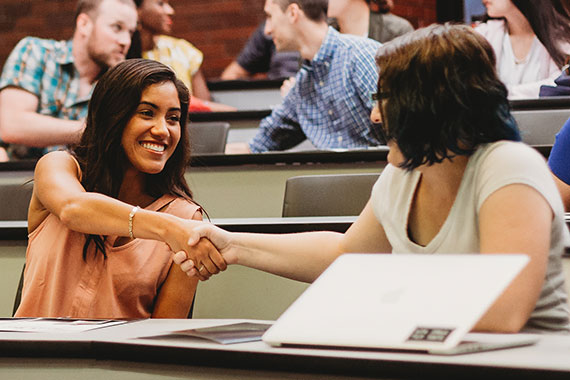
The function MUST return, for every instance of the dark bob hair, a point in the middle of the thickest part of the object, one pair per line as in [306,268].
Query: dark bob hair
[441,96]
[114,102]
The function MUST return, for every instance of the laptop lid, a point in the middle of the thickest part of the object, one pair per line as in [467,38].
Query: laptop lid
[396,301]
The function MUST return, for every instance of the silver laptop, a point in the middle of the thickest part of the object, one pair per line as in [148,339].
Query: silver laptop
[400,301]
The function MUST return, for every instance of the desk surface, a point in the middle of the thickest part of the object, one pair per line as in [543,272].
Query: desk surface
[17,229]
[353,156]
[544,103]
[548,358]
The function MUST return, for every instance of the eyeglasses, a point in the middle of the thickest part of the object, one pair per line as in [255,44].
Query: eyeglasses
[377,96]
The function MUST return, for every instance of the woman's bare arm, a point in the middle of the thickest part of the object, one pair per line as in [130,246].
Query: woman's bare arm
[516,219]
[57,189]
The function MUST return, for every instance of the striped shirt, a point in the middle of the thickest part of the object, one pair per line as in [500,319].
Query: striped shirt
[45,68]
[330,103]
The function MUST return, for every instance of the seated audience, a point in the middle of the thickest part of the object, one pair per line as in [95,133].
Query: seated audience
[372,19]
[530,39]
[91,254]
[559,163]
[330,100]
[362,18]
[259,56]
[458,181]
[152,42]
[46,84]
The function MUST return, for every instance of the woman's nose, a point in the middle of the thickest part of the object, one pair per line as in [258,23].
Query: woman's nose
[375,115]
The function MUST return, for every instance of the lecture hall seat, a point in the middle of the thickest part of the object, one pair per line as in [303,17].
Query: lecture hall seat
[15,195]
[539,127]
[208,137]
[327,195]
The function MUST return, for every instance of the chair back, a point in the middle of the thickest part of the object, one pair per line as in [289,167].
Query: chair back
[327,195]
[208,137]
[15,194]
[539,127]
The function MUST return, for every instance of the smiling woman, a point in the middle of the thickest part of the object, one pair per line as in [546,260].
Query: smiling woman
[105,219]
[153,132]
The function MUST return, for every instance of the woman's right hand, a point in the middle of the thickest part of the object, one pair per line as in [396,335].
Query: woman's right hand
[207,252]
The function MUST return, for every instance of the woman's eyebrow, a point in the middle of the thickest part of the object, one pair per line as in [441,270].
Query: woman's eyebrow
[148,104]
[157,107]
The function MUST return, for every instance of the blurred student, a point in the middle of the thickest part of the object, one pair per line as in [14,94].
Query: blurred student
[369,18]
[363,18]
[530,39]
[458,180]
[46,84]
[259,56]
[152,42]
[330,101]
[92,251]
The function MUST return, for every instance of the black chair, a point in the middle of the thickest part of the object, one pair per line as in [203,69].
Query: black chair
[15,197]
[327,195]
[208,137]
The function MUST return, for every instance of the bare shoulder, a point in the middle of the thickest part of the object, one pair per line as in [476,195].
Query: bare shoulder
[184,208]
[58,160]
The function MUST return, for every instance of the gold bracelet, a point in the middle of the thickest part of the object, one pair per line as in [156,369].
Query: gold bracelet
[131,216]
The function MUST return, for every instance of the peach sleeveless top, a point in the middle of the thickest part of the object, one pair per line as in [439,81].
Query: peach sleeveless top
[59,283]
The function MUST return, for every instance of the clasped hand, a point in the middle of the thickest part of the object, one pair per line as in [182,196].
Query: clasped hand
[202,256]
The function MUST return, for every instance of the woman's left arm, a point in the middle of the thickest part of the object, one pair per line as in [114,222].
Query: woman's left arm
[199,86]
[176,294]
[516,219]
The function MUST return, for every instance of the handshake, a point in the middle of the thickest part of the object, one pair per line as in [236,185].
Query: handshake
[206,251]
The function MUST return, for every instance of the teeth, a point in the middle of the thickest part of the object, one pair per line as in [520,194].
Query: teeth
[154,147]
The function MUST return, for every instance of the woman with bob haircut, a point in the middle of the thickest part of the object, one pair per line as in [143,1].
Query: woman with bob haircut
[457,181]
[105,218]
[531,41]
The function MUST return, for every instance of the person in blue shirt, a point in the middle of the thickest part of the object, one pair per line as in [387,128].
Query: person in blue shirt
[330,102]
[560,164]
[259,56]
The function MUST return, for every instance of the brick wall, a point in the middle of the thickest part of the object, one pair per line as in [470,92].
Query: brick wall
[217,27]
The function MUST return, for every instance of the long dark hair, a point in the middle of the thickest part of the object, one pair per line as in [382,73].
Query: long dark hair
[442,96]
[99,152]
[551,26]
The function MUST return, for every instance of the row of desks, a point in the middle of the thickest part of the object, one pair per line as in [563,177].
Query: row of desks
[17,229]
[539,119]
[123,352]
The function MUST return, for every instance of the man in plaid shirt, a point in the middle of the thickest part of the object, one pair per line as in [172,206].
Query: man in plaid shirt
[46,84]
[330,102]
